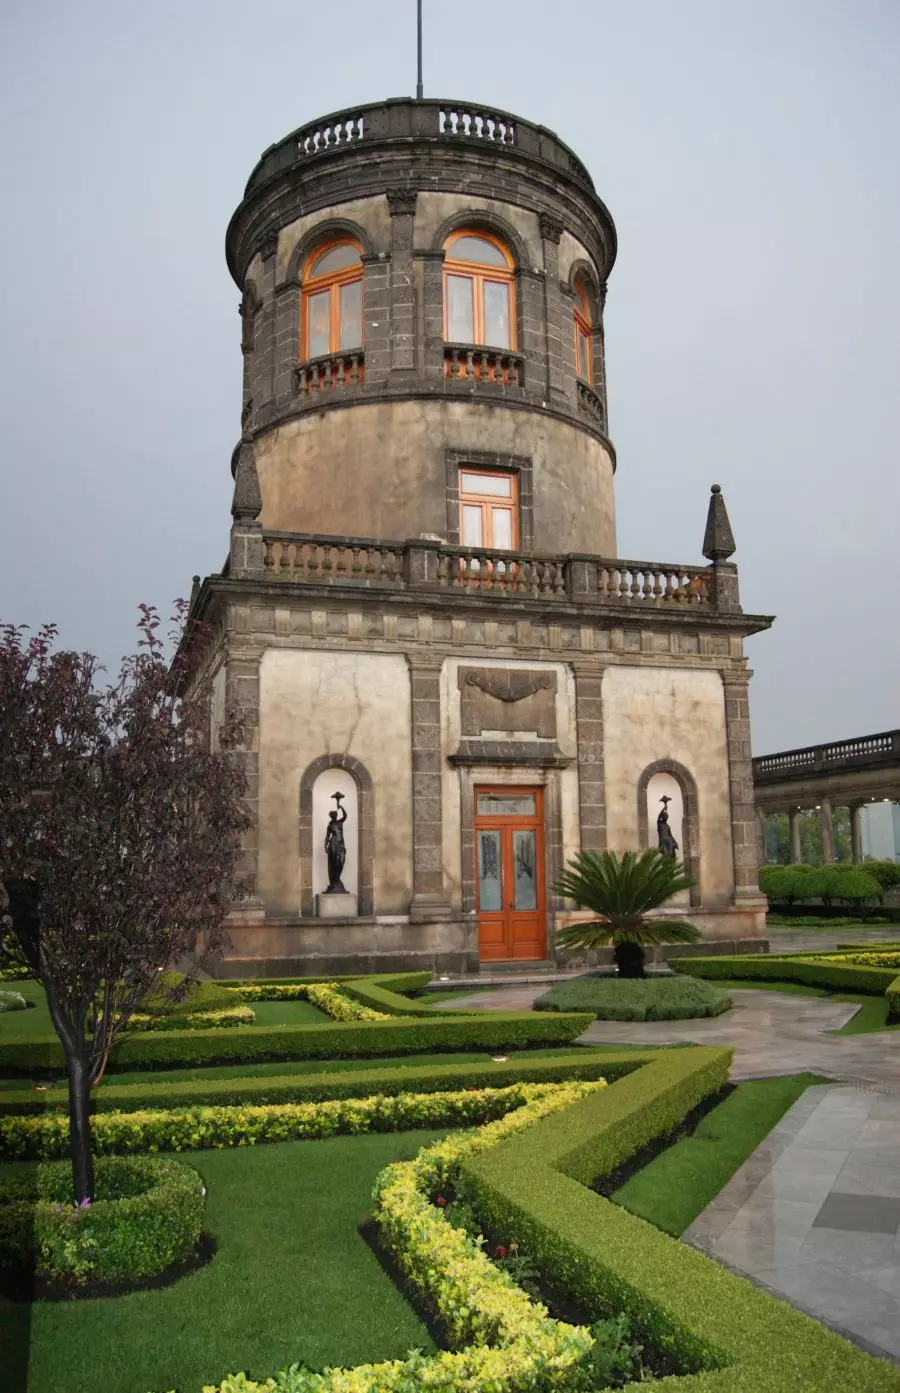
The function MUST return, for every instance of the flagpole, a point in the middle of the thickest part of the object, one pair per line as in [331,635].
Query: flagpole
[419,89]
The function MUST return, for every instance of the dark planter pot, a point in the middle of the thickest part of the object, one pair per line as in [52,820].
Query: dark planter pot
[629,959]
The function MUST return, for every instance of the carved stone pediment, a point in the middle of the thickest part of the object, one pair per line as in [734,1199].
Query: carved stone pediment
[508,700]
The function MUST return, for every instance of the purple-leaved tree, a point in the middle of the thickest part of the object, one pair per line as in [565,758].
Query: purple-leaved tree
[120,829]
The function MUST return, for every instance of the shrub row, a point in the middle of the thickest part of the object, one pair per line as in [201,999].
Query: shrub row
[853,884]
[200,1129]
[730,1336]
[578,1063]
[505,1341]
[835,976]
[356,1039]
[226,1018]
[330,999]
[146,1214]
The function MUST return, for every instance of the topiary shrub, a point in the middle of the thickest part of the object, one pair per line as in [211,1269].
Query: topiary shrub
[647,999]
[12,1001]
[887,873]
[146,1214]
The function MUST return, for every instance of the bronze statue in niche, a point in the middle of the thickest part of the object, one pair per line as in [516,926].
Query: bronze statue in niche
[665,839]
[335,847]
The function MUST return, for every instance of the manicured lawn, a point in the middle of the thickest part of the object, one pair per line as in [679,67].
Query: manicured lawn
[801,921]
[288,1013]
[291,1281]
[871,1016]
[630,999]
[674,1188]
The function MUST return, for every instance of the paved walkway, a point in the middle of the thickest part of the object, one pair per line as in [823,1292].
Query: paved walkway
[814,1214]
[771,1033]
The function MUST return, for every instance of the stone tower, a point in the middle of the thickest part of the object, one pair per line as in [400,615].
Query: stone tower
[422,609]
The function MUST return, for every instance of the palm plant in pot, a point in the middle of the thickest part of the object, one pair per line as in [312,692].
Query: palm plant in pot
[623,894]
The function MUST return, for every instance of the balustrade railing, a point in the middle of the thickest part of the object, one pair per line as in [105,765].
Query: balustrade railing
[642,582]
[864,751]
[330,131]
[591,403]
[501,573]
[292,556]
[478,366]
[476,123]
[334,370]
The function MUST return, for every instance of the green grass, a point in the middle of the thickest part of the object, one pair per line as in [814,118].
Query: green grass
[451,993]
[678,1185]
[870,1018]
[292,1281]
[287,1013]
[802,921]
[629,999]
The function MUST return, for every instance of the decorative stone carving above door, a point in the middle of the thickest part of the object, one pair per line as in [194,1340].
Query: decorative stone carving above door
[508,700]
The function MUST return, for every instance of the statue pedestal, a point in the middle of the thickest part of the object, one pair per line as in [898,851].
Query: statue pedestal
[339,904]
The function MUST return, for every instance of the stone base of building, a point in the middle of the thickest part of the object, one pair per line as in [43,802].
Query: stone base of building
[342,947]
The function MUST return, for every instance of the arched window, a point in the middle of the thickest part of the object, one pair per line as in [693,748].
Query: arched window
[583,367]
[479,291]
[332,300]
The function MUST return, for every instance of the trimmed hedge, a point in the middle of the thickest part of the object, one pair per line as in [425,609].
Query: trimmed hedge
[356,1039]
[201,1129]
[634,999]
[579,1063]
[731,1336]
[146,1214]
[838,977]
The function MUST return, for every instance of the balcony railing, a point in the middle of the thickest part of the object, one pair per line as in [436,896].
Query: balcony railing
[480,366]
[333,370]
[867,751]
[428,565]
[403,119]
[591,403]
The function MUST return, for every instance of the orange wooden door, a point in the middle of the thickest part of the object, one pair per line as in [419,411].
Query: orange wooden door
[509,874]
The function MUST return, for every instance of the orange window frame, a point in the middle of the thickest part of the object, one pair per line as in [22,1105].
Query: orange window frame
[487,502]
[478,272]
[332,281]
[583,330]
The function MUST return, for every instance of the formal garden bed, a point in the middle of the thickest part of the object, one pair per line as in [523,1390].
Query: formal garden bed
[661,998]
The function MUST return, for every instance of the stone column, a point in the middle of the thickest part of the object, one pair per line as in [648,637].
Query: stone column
[242,696]
[589,731]
[402,203]
[827,824]
[551,232]
[740,775]
[794,824]
[856,832]
[762,850]
[428,899]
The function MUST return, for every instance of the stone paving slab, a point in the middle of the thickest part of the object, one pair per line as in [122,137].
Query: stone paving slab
[810,1232]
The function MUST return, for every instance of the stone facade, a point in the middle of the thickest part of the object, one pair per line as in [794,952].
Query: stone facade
[357,634]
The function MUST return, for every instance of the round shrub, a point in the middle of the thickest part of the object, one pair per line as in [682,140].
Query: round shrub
[628,999]
[887,873]
[146,1214]
[12,1001]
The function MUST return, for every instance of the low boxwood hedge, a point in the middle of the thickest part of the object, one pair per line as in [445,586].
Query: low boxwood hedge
[579,1063]
[732,1336]
[146,1214]
[838,977]
[341,1040]
[635,999]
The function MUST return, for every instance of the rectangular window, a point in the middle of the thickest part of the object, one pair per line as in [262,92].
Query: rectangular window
[460,309]
[489,515]
[318,324]
[506,804]
[351,315]
[496,314]
[584,355]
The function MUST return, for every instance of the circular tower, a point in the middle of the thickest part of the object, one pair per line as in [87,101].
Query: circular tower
[422,305]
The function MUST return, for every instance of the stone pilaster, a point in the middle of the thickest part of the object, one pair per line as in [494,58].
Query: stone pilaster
[287,340]
[826,822]
[242,696]
[377,316]
[589,724]
[740,777]
[551,231]
[402,203]
[263,387]
[429,901]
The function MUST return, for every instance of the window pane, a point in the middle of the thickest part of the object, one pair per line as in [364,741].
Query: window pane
[524,870]
[497,485]
[490,887]
[496,314]
[477,249]
[351,315]
[318,324]
[501,519]
[460,321]
[335,260]
[471,528]
[506,804]
[583,356]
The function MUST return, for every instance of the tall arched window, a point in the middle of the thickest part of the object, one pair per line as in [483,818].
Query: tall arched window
[479,291]
[332,300]
[583,365]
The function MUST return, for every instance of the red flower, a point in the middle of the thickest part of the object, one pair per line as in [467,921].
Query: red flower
[471,1088]
[500,1251]
[441,1202]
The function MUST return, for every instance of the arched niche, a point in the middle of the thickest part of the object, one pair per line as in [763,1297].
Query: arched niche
[668,777]
[337,773]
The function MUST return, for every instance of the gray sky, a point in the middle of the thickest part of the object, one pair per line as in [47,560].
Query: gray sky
[747,150]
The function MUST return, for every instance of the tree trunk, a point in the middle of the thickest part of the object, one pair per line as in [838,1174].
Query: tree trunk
[80,1122]
[629,959]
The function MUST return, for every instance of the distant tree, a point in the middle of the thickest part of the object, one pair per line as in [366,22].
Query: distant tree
[778,839]
[120,831]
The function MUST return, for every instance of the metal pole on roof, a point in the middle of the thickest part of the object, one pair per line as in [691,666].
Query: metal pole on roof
[419,89]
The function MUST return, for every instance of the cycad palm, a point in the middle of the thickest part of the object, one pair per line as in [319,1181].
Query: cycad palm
[624,893]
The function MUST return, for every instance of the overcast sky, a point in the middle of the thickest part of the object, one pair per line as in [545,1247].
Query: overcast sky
[748,152]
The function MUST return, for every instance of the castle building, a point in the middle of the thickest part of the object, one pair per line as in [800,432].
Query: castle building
[422,610]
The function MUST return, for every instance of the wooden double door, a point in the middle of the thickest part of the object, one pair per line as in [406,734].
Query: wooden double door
[509,874]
